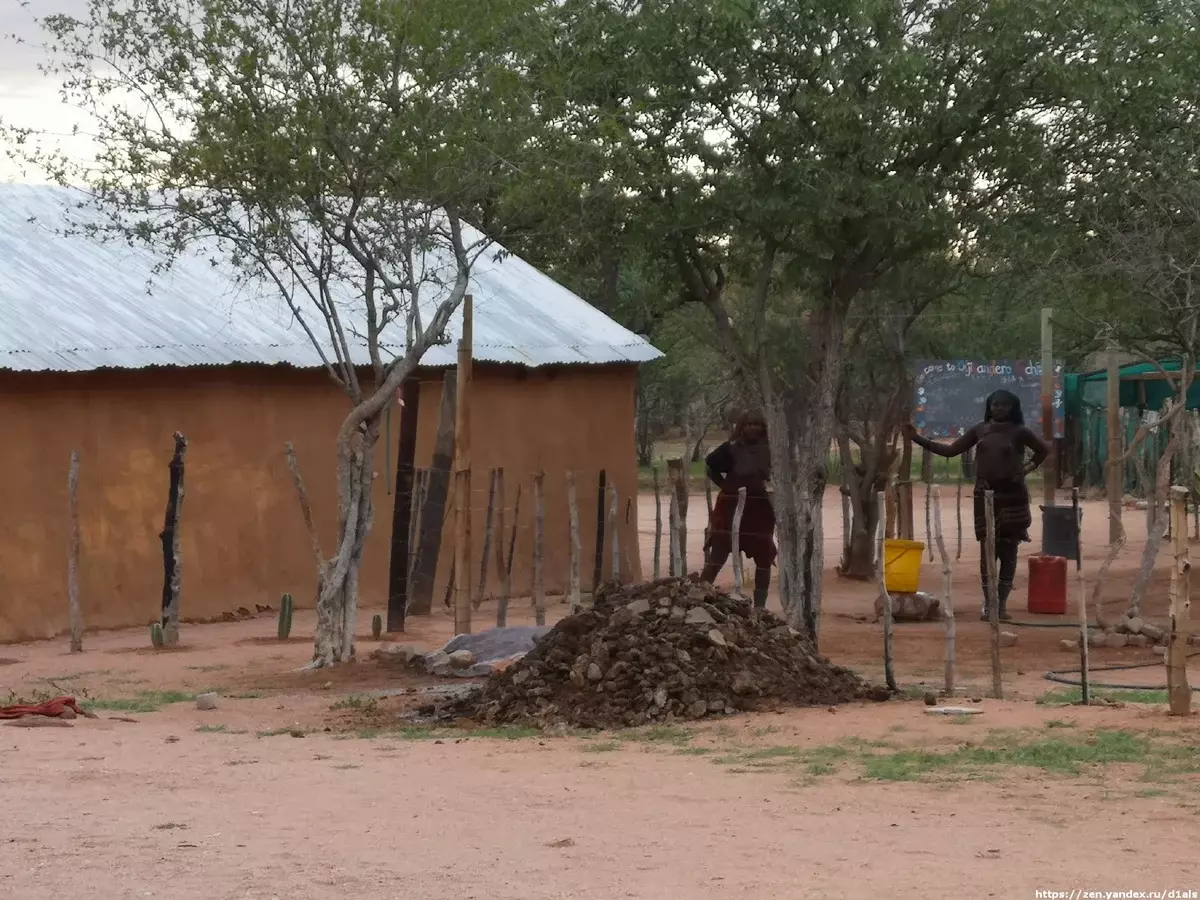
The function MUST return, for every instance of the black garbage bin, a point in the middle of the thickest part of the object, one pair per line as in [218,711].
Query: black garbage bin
[1060,532]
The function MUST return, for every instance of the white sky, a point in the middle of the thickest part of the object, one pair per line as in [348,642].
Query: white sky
[27,97]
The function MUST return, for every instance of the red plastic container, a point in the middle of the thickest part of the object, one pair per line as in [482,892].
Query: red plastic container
[1047,585]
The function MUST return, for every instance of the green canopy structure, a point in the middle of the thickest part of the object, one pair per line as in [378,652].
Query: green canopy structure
[1143,389]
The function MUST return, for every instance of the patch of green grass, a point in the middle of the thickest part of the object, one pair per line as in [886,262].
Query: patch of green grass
[216,668]
[1057,749]
[659,734]
[694,751]
[773,753]
[346,767]
[279,732]
[73,676]
[601,747]
[218,729]
[356,702]
[247,695]
[1150,793]
[142,702]
[1074,696]
[431,732]
[1054,755]
[1059,723]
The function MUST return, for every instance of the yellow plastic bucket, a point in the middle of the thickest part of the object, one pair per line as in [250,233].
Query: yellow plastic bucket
[902,566]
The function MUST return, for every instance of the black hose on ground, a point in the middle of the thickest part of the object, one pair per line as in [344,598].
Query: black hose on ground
[1060,676]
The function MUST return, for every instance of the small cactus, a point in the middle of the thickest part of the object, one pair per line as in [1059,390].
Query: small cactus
[156,635]
[376,627]
[285,616]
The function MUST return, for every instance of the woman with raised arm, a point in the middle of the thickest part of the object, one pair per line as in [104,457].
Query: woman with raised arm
[744,461]
[1000,442]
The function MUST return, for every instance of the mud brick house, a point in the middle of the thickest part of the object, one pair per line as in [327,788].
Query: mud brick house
[95,361]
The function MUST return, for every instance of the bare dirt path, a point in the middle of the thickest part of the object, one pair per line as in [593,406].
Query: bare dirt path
[121,811]
[185,805]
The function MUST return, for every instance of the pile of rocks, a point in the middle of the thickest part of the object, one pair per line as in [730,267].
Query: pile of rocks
[673,649]
[1131,631]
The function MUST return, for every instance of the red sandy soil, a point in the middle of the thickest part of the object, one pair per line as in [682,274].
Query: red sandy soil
[158,807]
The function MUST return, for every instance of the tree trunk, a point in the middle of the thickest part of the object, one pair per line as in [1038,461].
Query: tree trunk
[1158,520]
[800,438]
[859,562]
[864,484]
[337,607]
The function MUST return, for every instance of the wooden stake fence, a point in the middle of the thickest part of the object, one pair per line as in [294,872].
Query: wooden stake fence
[614,506]
[503,568]
[539,590]
[1084,686]
[75,615]
[657,526]
[1179,692]
[888,674]
[989,548]
[947,595]
[170,543]
[488,524]
[462,474]
[736,536]
[576,547]
[958,516]
[676,568]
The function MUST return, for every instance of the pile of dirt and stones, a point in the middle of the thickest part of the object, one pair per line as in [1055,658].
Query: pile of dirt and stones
[669,650]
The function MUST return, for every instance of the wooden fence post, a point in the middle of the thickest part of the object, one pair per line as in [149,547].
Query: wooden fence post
[1179,692]
[75,615]
[462,473]
[681,485]
[736,536]
[958,514]
[501,565]
[576,548]
[888,674]
[673,537]
[947,597]
[989,548]
[927,478]
[420,487]
[488,525]
[539,589]
[601,496]
[1084,686]
[657,526]
[614,506]
[170,544]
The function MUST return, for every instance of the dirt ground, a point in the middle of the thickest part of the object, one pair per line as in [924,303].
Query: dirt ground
[302,784]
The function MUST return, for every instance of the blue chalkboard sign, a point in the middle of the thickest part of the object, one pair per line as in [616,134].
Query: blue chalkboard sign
[950,393]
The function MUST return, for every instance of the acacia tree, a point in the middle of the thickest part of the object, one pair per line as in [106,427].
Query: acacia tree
[875,395]
[330,151]
[1145,248]
[782,157]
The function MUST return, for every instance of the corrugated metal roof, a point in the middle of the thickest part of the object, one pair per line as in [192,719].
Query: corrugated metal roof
[72,303]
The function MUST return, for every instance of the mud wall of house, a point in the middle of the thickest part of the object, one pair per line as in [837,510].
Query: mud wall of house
[243,539]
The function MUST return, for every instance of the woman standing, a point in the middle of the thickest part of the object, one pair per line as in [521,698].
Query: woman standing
[744,461]
[1001,440]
